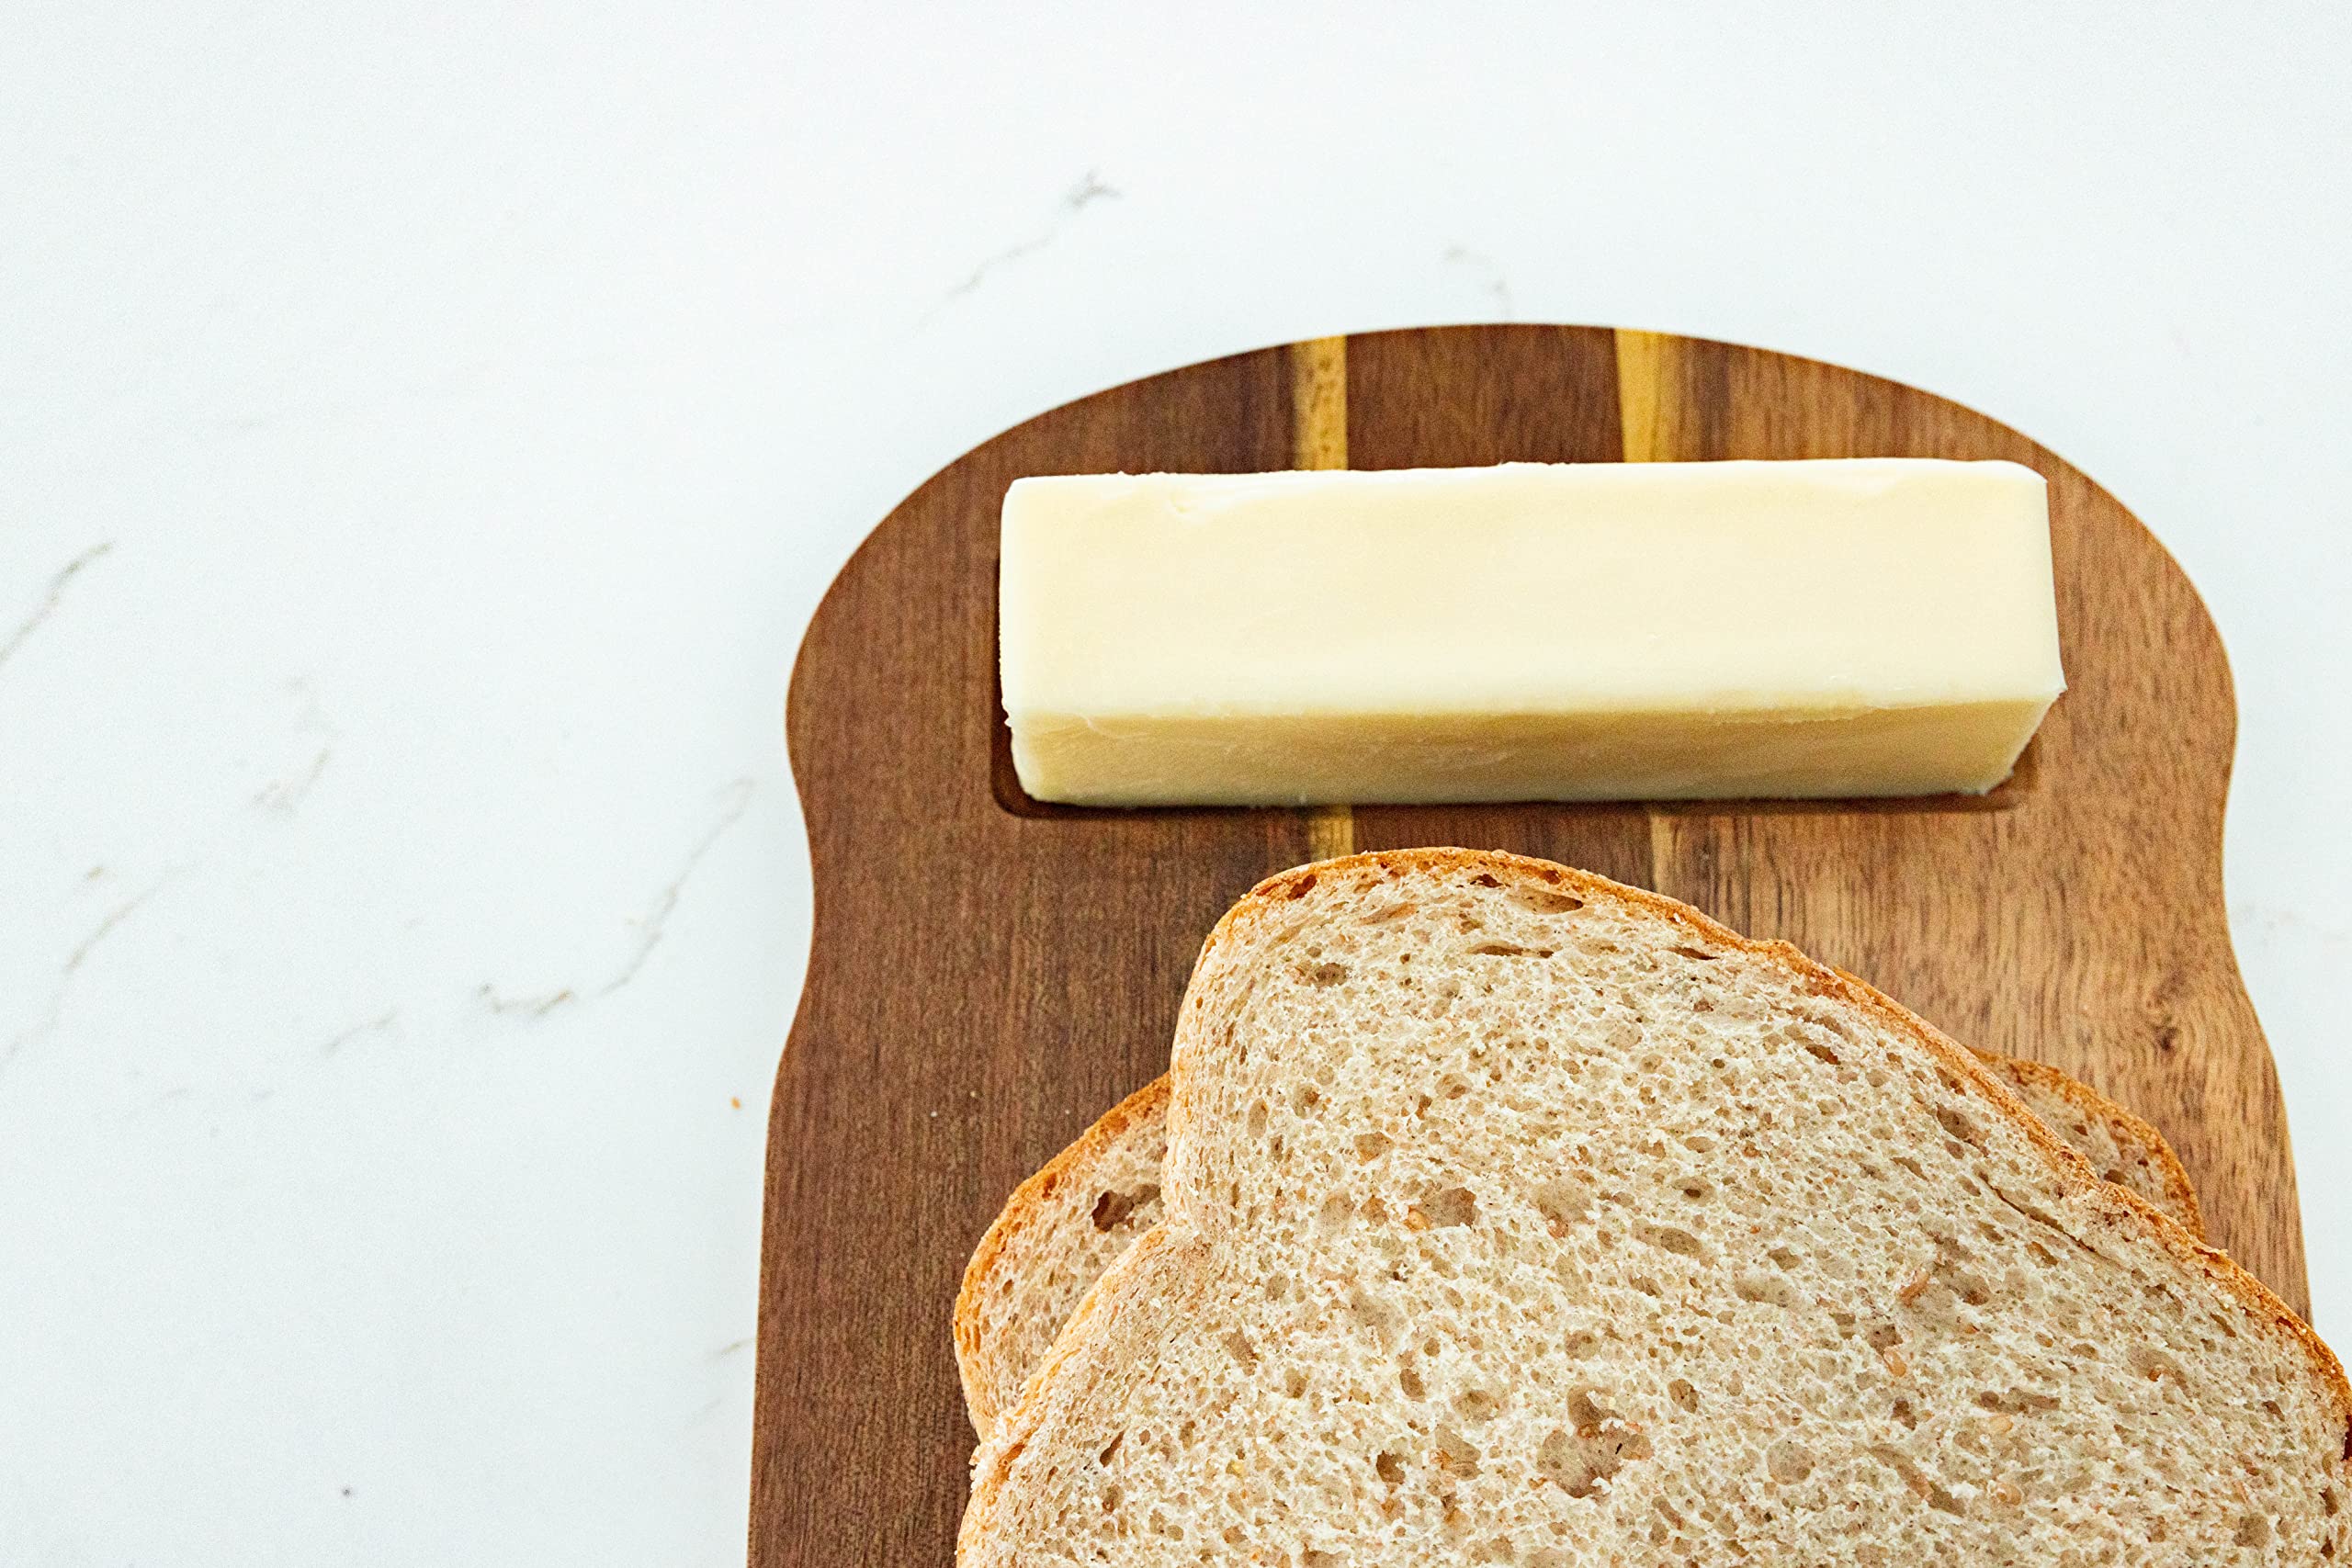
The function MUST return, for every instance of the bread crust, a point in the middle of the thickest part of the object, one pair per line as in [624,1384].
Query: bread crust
[1025,1218]
[1021,1214]
[1101,1346]
[2180,1194]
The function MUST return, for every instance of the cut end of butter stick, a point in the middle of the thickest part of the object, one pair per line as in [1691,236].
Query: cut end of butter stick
[1537,631]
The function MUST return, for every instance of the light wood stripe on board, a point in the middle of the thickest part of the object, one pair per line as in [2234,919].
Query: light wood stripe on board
[1319,439]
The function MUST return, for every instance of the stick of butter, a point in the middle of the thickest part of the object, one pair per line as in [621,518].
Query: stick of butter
[1537,631]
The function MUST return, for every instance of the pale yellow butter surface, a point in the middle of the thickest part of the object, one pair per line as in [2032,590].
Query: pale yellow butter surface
[1864,627]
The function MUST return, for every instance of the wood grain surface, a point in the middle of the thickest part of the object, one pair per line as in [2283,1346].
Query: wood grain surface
[988,975]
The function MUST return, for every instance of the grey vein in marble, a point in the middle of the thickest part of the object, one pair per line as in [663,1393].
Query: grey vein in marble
[51,598]
[382,1021]
[283,795]
[536,1005]
[42,1026]
[733,803]
[1076,199]
[1496,285]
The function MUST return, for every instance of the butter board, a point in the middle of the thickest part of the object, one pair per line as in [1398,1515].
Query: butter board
[987,976]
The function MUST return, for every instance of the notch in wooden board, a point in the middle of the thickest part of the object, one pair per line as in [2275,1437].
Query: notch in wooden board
[1644,379]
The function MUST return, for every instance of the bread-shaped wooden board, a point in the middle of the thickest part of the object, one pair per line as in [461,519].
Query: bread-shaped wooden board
[1514,1215]
[985,974]
[1070,1222]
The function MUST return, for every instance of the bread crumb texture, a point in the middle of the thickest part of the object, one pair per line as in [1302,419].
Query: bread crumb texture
[1512,1216]
[1067,1224]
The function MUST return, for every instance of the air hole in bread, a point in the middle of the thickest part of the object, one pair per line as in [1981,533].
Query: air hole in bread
[1372,1146]
[1509,950]
[1670,1238]
[2016,1402]
[1475,1405]
[1969,1288]
[1788,1463]
[1114,1209]
[1685,1397]
[1389,1466]
[1699,954]
[1583,1459]
[1765,1289]
[1374,1313]
[1562,1202]
[1815,1049]
[1334,1212]
[1325,974]
[1958,1125]
[1455,1454]
[1918,1480]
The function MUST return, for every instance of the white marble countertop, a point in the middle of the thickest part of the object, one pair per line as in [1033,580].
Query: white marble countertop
[424,432]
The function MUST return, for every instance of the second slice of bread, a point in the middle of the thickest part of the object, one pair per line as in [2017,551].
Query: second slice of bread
[1512,1215]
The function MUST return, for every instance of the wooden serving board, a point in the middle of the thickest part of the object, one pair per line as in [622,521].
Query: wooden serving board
[987,976]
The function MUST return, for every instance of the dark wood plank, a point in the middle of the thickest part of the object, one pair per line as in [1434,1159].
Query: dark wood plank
[984,980]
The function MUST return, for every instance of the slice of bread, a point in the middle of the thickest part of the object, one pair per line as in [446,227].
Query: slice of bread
[1066,1225]
[1512,1215]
